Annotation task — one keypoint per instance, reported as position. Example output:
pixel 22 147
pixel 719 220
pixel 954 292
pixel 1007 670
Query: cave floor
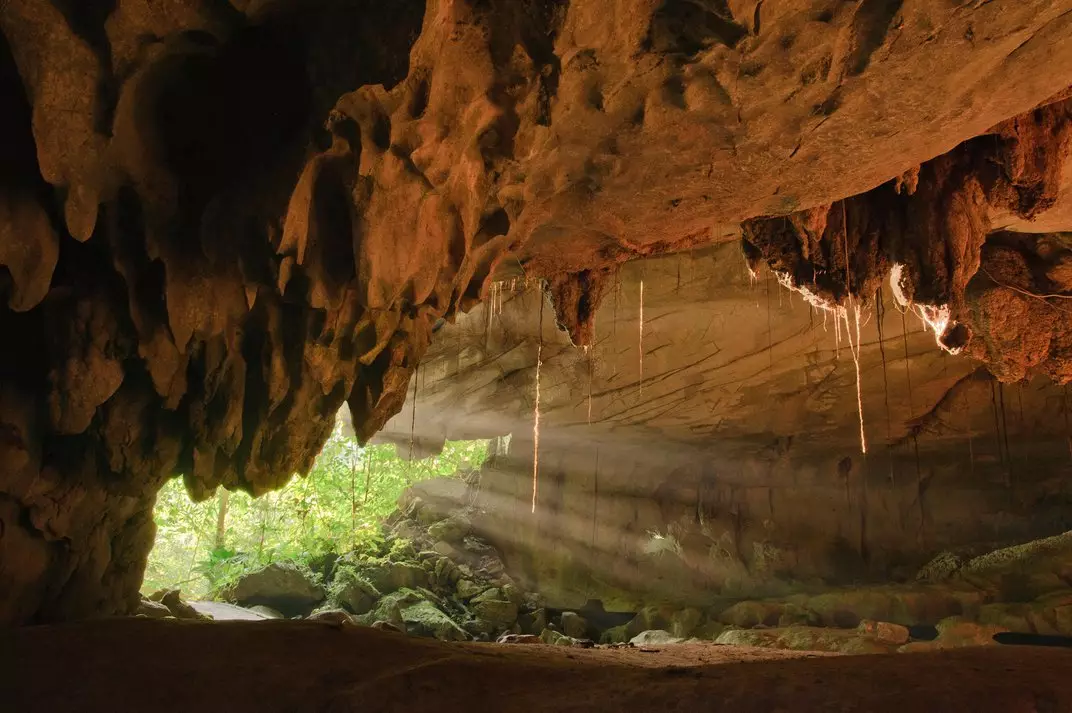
pixel 145 665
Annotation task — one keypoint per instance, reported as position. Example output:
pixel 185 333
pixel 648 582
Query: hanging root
pixel 536 413
pixel 640 380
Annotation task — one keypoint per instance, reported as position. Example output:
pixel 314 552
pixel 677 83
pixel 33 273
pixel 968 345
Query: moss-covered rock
pixel 287 587
pixel 351 591
pixel 806 638
pixel 685 621
pixel 615 635
pixel 453 529
pixel 424 619
pixel 957 632
pixel 748 614
pixel 553 638
pixel 533 622
pixel 466 589
pixel 499 612
pixel 574 625
pixel 388 576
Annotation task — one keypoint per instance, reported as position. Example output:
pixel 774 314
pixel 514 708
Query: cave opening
pixel 285 424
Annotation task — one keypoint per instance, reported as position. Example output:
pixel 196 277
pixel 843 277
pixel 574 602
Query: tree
pixel 201 546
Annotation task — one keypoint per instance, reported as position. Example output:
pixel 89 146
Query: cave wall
pixel 219 221
pixel 742 442
pixel 636 526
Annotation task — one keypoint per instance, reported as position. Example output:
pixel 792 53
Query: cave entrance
pixel 341 512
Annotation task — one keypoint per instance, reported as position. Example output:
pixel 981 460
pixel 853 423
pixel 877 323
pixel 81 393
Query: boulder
pixel 283 586
pixel 650 617
pixel 655 637
pixel 390 607
pixel 153 610
pixel 424 619
pixel 573 625
pixel 353 592
pixel 519 639
pixel 172 599
pixel 467 589
pixel 884 631
pixel 748 614
pixel 335 617
pixel 446 549
pixel 489 593
pixel 957 632
pixel 944 566
pixel 391 576
pixel 388 626
pixel 1023 572
pixel 806 638
pixel 533 622
pixel 553 638
pixel 615 635
pixel 502 614
pixel 685 621
pixel 266 611
pixel 453 529
pixel 445 573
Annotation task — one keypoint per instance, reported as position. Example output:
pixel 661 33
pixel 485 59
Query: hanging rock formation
pixel 222 220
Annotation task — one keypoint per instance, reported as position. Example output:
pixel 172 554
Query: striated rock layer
pixel 222 220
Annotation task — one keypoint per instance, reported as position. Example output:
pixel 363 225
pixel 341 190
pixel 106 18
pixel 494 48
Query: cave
pixel 558 354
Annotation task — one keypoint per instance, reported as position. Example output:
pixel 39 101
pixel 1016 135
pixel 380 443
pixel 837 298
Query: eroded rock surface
pixel 220 221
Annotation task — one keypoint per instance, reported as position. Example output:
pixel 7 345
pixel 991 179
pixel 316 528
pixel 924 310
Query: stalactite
pixel 880 314
pixel 536 411
pixel 770 334
pixel 855 352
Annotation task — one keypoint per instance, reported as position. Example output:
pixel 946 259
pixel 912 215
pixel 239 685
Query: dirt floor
pixel 158 666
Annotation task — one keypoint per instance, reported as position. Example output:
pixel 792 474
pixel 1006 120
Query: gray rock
pixel 281 585
pixel 685 621
pixel 353 592
pixel 615 635
pixel 943 566
pixel 492 593
pixel 654 637
pixel 153 610
pixel 533 622
pixel 265 611
pixel 553 638
pixel 387 626
pixel 335 617
pixel 423 618
pixel 172 599
pixel 392 576
pixel 467 589
pixel 453 529
pixel 574 625
pixel 446 549
pixel 501 613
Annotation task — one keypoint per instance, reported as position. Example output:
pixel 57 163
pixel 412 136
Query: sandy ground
pixel 161 666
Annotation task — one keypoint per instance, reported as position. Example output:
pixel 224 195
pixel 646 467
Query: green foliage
pixel 337 508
